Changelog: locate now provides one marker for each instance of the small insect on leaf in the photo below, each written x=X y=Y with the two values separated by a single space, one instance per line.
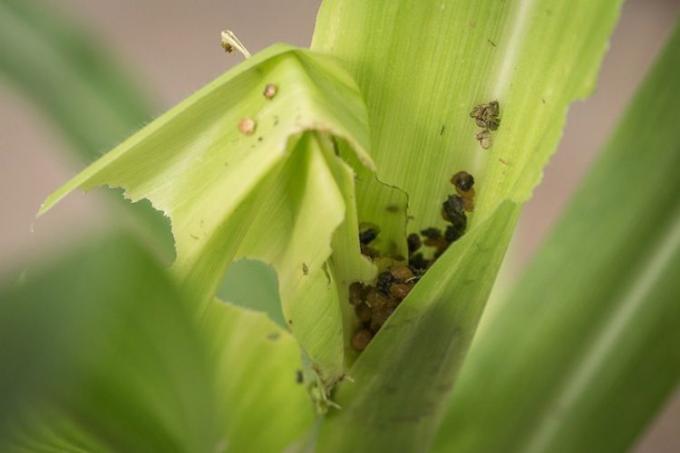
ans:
x=270 y=91
x=385 y=279
x=414 y=243
x=487 y=115
x=463 y=181
x=418 y=262
x=368 y=233
x=247 y=126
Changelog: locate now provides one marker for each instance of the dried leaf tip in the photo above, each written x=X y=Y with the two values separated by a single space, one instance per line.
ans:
x=247 y=126
x=230 y=42
x=270 y=91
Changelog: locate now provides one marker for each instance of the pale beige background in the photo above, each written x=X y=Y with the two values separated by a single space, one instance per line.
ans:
x=172 y=45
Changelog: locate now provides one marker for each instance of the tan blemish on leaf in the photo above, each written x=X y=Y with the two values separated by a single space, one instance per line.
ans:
x=247 y=126
x=270 y=91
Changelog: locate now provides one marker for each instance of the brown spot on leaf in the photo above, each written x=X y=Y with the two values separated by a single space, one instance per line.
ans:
x=247 y=126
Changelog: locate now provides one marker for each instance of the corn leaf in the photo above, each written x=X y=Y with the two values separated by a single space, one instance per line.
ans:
x=106 y=357
x=257 y=369
x=587 y=347
x=243 y=175
x=101 y=353
x=422 y=67
x=435 y=328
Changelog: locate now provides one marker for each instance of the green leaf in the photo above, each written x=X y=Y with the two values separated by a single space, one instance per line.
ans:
x=265 y=407
x=385 y=394
x=100 y=353
x=422 y=67
x=252 y=284
x=587 y=348
x=277 y=192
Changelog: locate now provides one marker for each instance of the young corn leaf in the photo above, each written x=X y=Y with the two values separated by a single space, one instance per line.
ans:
x=422 y=67
x=101 y=353
x=435 y=327
x=587 y=347
x=264 y=405
x=243 y=173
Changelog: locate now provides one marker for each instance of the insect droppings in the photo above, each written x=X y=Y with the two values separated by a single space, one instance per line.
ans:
x=247 y=126
x=361 y=339
x=305 y=269
x=363 y=312
x=357 y=293
x=464 y=182
x=400 y=290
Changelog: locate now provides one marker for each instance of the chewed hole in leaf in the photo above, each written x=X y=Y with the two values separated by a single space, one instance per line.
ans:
x=147 y=222
x=253 y=284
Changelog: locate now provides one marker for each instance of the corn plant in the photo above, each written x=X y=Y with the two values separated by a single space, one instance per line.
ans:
x=339 y=215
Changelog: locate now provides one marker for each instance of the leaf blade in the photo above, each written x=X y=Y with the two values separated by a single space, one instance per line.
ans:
x=422 y=67
x=267 y=193
x=598 y=354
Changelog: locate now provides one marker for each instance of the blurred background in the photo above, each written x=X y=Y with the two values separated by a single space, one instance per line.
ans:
x=170 y=48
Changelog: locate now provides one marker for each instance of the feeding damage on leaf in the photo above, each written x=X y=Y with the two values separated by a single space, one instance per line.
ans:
x=374 y=303
x=272 y=119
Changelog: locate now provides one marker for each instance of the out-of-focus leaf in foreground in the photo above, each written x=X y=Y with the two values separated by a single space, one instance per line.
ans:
x=587 y=347
x=244 y=173
x=101 y=353
x=70 y=77
x=422 y=67
x=106 y=356
x=64 y=71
